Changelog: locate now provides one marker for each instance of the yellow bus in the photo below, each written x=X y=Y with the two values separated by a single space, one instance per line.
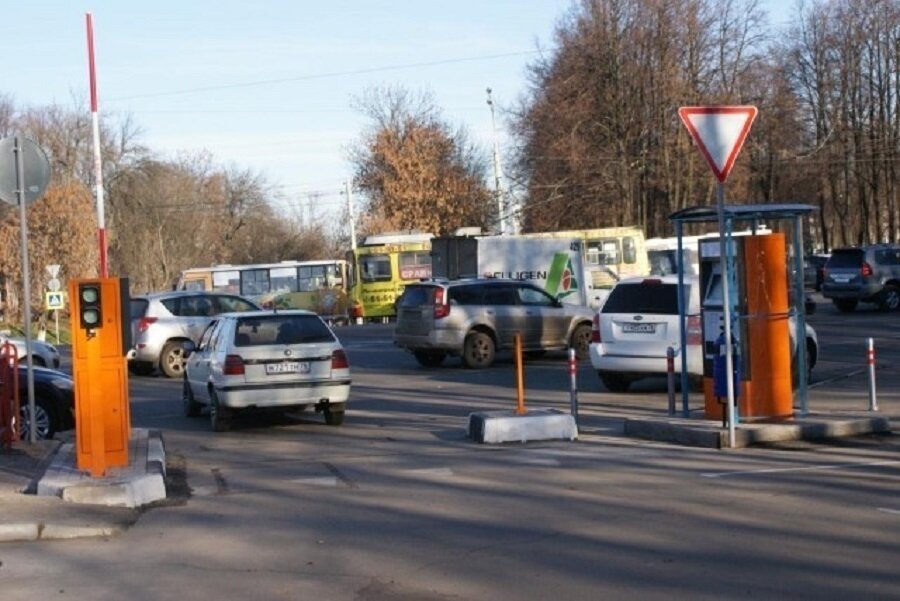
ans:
x=380 y=268
x=610 y=253
x=319 y=286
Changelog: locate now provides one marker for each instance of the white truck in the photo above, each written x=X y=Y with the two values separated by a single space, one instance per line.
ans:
x=554 y=264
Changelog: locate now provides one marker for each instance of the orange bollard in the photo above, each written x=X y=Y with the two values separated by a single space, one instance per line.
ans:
x=520 y=377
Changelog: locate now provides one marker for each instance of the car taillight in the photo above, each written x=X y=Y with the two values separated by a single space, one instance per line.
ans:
x=595 y=329
x=234 y=365
x=339 y=360
x=440 y=309
x=145 y=323
x=694 y=330
x=865 y=270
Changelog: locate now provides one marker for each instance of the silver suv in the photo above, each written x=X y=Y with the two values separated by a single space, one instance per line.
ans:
x=869 y=274
x=163 y=321
x=475 y=318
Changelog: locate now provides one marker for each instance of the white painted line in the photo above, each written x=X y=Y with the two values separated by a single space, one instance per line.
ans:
x=203 y=491
x=809 y=468
x=436 y=472
x=886 y=510
x=328 y=481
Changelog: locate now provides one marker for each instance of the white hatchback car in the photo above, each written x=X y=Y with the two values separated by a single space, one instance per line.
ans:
x=639 y=321
x=266 y=360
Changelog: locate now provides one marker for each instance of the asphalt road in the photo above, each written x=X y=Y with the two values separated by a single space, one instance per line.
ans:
x=398 y=504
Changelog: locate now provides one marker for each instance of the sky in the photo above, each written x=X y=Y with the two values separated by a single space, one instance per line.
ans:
x=269 y=85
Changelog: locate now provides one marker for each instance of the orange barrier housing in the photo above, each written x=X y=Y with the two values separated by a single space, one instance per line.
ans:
x=100 y=371
x=765 y=386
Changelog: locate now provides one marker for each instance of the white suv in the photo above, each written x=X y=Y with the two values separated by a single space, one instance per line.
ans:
x=639 y=321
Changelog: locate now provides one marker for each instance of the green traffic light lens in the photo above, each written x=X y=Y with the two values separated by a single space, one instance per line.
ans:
x=90 y=317
x=89 y=294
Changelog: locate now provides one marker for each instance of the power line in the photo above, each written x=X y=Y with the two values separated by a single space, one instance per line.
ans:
x=265 y=82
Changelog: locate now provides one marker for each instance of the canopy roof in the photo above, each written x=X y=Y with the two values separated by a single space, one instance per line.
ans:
x=743 y=213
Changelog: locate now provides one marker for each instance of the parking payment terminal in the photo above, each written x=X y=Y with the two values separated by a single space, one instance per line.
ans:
x=760 y=328
x=101 y=333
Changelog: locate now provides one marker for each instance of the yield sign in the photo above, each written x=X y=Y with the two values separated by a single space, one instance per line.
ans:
x=720 y=132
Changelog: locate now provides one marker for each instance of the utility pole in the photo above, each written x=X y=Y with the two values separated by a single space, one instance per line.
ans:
x=498 y=186
x=352 y=211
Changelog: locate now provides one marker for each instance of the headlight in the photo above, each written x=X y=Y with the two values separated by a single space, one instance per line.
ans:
x=63 y=383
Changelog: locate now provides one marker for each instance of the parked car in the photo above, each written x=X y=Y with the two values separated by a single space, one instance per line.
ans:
x=639 y=321
x=474 y=319
x=814 y=270
x=869 y=274
x=162 y=322
x=266 y=360
x=54 y=402
x=42 y=354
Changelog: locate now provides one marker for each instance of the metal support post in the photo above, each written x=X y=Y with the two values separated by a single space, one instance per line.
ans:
x=870 y=359
x=670 y=376
x=573 y=384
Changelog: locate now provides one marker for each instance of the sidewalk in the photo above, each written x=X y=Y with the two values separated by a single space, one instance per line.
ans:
x=44 y=496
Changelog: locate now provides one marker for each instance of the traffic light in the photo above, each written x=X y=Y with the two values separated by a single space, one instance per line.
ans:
x=91 y=313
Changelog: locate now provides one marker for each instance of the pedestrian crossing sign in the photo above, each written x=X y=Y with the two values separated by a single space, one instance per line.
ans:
x=55 y=300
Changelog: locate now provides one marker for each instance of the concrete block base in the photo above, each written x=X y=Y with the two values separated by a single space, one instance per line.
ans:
x=140 y=483
x=507 y=426
x=711 y=435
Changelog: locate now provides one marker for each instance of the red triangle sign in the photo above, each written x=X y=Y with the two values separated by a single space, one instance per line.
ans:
x=720 y=132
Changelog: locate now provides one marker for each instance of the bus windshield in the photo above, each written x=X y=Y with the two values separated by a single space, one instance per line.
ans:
x=375 y=268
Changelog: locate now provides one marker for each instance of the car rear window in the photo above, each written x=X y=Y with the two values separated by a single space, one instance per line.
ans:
x=138 y=307
x=846 y=257
x=654 y=299
x=416 y=296
x=281 y=329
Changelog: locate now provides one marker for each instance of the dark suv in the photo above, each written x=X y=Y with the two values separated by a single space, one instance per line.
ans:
x=869 y=274
x=475 y=318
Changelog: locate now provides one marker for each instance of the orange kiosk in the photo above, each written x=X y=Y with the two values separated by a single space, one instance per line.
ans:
x=101 y=336
x=760 y=329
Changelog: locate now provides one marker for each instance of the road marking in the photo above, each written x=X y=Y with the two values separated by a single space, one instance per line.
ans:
x=886 y=510
x=435 y=472
x=328 y=481
x=808 y=468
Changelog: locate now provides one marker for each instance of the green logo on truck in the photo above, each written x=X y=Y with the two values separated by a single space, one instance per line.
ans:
x=561 y=280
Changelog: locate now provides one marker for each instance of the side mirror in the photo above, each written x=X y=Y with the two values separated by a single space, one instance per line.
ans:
x=189 y=348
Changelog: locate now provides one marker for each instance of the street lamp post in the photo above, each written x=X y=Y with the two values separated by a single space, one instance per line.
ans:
x=498 y=186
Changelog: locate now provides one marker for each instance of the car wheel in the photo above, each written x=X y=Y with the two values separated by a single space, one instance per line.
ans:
x=140 y=368
x=845 y=305
x=171 y=361
x=430 y=358
x=581 y=341
x=478 y=350
x=614 y=382
x=44 y=420
x=890 y=299
x=333 y=417
x=189 y=403
x=219 y=417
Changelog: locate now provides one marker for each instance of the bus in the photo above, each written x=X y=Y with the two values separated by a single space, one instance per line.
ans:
x=380 y=269
x=610 y=253
x=319 y=286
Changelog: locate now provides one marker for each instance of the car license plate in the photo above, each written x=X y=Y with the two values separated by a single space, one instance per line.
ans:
x=288 y=367
x=639 y=328
x=843 y=279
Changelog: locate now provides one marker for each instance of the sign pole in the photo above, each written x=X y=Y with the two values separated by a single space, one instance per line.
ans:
x=726 y=298
x=26 y=284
